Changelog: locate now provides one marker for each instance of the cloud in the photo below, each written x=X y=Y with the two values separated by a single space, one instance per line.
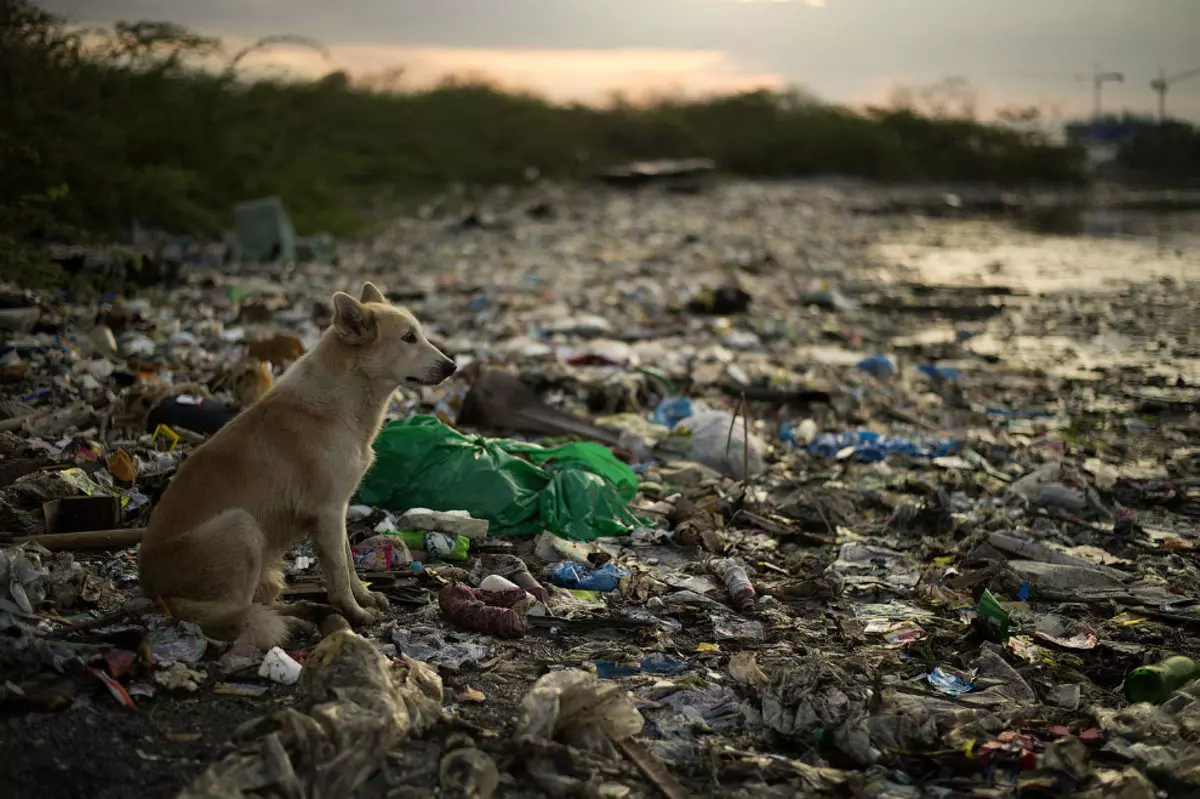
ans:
x=567 y=75
x=813 y=3
x=844 y=51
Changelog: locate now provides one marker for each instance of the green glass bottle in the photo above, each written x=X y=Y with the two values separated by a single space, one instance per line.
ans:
x=1156 y=683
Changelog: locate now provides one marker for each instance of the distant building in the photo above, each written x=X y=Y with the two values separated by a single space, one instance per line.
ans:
x=1101 y=141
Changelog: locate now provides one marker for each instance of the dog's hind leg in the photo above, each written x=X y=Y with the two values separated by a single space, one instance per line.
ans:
x=220 y=560
x=210 y=574
x=270 y=584
x=257 y=625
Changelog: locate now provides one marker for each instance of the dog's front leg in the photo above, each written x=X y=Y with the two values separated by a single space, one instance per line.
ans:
x=368 y=599
x=333 y=550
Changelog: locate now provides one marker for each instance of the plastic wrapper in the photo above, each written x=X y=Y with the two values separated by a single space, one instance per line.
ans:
x=374 y=557
x=446 y=546
x=172 y=640
x=705 y=438
x=577 y=708
x=993 y=620
x=570 y=574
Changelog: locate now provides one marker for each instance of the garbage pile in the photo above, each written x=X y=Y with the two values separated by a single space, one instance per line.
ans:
x=720 y=502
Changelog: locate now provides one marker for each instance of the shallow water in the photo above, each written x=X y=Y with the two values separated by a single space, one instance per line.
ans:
x=1118 y=247
x=1123 y=295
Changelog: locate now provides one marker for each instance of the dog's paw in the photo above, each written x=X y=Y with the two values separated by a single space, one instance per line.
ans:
x=360 y=617
x=298 y=628
x=374 y=599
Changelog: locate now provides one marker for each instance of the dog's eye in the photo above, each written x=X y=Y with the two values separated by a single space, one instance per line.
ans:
x=409 y=337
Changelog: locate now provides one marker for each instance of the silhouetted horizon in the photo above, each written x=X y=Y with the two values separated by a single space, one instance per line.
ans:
x=1018 y=53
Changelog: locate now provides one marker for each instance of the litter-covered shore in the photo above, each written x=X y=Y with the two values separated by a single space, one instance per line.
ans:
x=741 y=490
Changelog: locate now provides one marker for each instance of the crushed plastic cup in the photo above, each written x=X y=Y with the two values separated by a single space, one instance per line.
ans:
x=494 y=582
x=511 y=569
x=177 y=641
x=278 y=666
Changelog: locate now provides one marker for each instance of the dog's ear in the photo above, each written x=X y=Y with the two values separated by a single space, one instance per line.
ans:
x=371 y=294
x=353 y=322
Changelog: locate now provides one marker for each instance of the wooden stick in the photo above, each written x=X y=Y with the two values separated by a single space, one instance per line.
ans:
x=92 y=539
x=131 y=609
x=654 y=769
x=902 y=415
x=745 y=444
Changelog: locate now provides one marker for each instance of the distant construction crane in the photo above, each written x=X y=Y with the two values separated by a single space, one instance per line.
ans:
x=1099 y=78
x=1164 y=82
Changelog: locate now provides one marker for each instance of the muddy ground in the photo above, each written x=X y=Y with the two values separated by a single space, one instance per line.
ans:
x=100 y=750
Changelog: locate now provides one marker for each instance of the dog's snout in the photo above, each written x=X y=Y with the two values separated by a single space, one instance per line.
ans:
x=448 y=369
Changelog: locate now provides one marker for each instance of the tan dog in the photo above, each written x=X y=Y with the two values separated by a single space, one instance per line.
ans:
x=282 y=470
x=280 y=350
x=248 y=382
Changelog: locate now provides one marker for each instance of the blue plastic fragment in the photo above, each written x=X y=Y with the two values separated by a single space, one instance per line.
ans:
x=878 y=365
x=654 y=663
x=658 y=663
x=672 y=411
x=570 y=574
x=871 y=447
x=995 y=410
x=939 y=372
x=949 y=683
x=609 y=669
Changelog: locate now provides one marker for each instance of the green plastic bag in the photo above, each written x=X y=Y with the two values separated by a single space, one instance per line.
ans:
x=581 y=494
x=595 y=458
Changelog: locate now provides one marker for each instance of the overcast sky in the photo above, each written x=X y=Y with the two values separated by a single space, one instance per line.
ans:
x=853 y=51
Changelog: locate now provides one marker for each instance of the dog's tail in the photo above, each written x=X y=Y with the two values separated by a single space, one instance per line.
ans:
x=257 y=625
